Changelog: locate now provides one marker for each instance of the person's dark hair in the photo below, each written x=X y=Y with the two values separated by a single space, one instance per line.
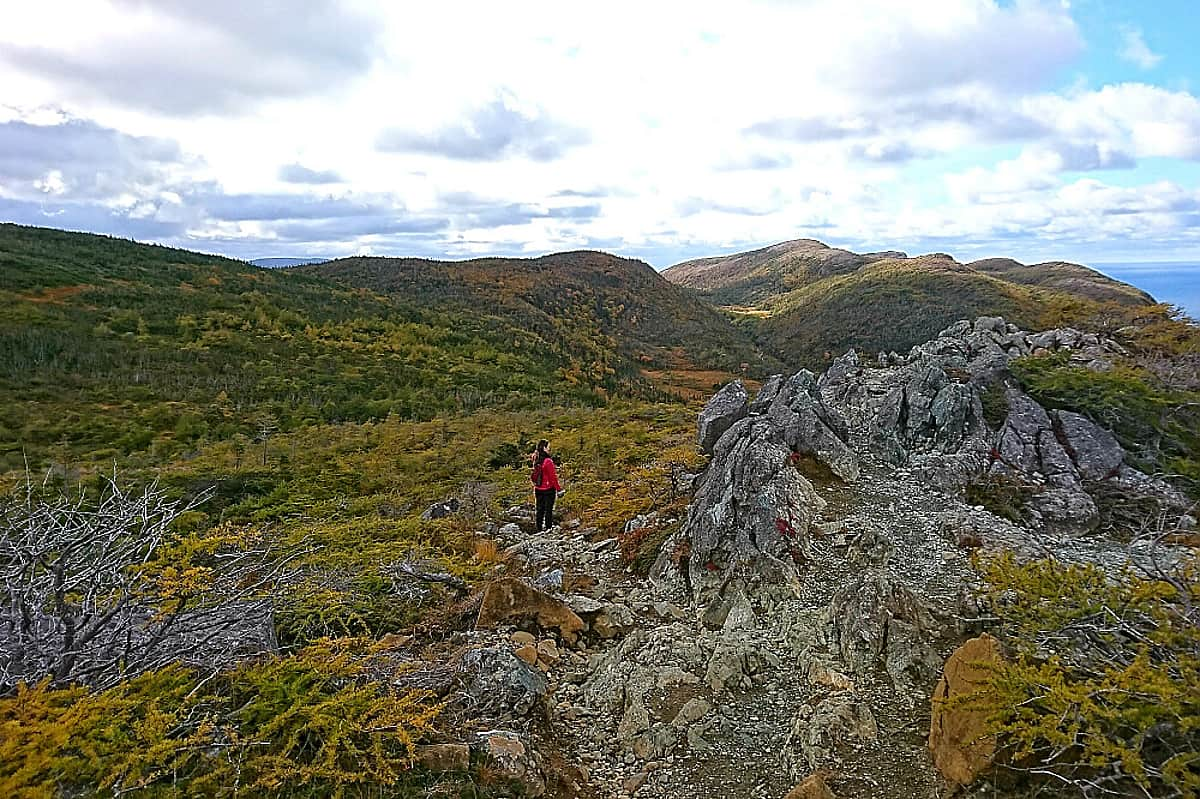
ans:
x=542 y=454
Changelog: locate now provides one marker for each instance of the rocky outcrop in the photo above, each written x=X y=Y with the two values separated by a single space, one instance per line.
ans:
x=800 y=617
x=746 y=528
x=925 y=411
x=874 y=620
x=810 y=428
x=767 y=393
x=822 y=730
x=958 y=733
x=726 y=407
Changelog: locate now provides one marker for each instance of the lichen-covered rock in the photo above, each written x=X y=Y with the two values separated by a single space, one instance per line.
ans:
x=1020 y=436
x=821 y=733
x=1064 y=510
x=1095 y=451
x=499 y=684
x=725 y=407
x=807 y=431
x=509 y=755
x=958 y=735
x=748 y=525
x=874 y=619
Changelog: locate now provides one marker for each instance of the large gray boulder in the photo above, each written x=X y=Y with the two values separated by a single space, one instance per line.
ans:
x=725 y=407
x=499 y=684
x=1096 y=452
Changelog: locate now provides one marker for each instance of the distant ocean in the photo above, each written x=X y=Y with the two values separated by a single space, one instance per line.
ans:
x=1175 y=282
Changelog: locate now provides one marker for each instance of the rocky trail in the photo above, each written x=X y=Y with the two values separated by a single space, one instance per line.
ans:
x=788 y=639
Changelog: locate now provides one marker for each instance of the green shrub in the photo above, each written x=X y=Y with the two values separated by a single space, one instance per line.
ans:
x=310 y=725
x=1100 y=688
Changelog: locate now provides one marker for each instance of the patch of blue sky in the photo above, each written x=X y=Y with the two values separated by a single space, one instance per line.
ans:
x=1168 y=29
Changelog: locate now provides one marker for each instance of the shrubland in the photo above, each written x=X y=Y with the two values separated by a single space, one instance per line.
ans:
x=342 y=504
x=284 y=432
x=1098 y=695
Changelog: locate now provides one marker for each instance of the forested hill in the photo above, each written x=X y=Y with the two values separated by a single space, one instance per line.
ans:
x=111 y=349
x=806 y=301
x=585 y=305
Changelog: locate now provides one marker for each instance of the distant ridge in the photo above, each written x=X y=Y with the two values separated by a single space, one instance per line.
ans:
x=807 y=301
x=277 y=263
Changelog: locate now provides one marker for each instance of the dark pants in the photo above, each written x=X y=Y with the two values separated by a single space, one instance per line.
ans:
x=545 y=508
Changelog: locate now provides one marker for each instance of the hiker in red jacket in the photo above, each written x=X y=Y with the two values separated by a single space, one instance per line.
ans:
x=545 y=485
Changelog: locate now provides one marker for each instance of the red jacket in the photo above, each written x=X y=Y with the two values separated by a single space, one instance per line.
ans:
x=549 y=476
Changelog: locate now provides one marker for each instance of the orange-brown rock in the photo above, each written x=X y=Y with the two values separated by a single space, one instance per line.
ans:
x=512 y=601
x=813 y=787
x=444 y=757
x=958 y=737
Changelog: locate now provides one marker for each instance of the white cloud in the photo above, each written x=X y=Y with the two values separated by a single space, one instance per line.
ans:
x=1135 y=50
x=466 y=127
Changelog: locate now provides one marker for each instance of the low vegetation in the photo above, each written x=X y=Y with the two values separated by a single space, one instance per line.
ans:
x=1150 y=399
x=1099 y=692
x=341 y=504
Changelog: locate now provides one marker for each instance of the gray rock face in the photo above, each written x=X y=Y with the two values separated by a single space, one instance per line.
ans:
x=1094 y=450
x=809 y=427
x=749 y=520
x=499 y=683
x=1057 y=452
x=1020 y=438
x=766 y=394
x=726 y=407
x=874 y=619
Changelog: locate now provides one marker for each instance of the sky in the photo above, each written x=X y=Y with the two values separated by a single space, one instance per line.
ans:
x=1034 y=129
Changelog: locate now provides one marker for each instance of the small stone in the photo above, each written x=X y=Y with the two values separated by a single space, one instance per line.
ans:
x=547 y=651
x=528 y=653
x=522 y=638
x=813 y=787
x=693 y=710
x=634 y=782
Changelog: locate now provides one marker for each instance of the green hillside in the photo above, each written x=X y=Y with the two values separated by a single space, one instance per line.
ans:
x=110 y=348
x=805 y=301
x=888 y=305
x=603 y=314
